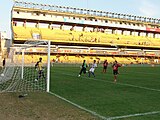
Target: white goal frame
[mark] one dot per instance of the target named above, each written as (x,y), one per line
(48,60)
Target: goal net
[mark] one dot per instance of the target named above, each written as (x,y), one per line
(27,68)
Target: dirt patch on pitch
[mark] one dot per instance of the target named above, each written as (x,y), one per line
(39,106)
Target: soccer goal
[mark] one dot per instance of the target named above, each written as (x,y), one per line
(27,68)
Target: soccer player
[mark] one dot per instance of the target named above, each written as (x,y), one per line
(52,62)
(92,69)
(83,69)
(105,65)
(115,67)
(39,67)
(3,67)
(4,62)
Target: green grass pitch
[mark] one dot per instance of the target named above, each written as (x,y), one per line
(135,96)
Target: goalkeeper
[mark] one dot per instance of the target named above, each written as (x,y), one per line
(38,66)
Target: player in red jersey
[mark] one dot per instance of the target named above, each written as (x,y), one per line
(115,67)
(105,64)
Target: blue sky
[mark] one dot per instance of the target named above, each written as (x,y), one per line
(147,8)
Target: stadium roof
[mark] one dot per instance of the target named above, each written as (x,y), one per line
(85,11)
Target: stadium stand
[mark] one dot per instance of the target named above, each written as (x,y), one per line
(84,29)
(80,37)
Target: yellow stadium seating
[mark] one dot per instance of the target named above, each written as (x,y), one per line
(21,33)
(58,35)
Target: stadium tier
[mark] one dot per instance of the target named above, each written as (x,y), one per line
(66,36)
(121,34)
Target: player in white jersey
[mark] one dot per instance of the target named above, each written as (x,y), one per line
(93,66)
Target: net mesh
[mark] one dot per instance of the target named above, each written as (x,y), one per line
(20,73)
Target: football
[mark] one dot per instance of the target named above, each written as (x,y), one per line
(2,74)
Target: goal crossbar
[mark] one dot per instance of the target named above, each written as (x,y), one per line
(19,73)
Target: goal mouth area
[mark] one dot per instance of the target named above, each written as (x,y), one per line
(25,77)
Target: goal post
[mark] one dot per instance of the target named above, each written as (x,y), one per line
(33,44)
(48,66)
(25,76)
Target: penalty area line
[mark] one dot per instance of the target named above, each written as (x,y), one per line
(118,83)
(125,84)
(133,115)
(80,107)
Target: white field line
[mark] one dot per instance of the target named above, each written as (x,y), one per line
(103,117)
(133,115)
(114,117)
(76,105)
(123,84)
(80,107)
